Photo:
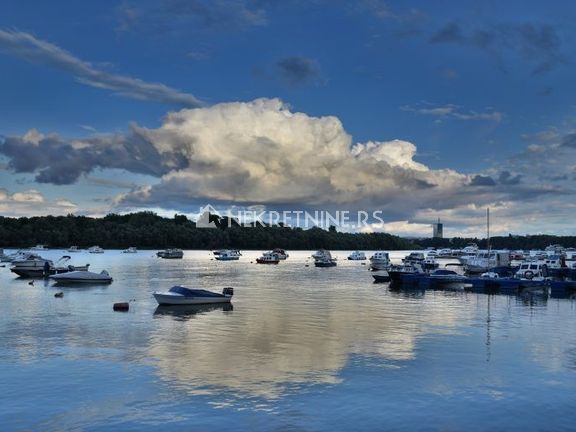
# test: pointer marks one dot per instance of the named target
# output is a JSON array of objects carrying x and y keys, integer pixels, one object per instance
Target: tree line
[{"x": 147, "y": 230}]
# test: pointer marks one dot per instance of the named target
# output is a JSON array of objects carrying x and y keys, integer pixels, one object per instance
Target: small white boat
[
  {"x": 268, "y": 258},
  {"x": 282, "y": 255},
  {"x": 95, "y": 250},
  {"x": 73, "y": 249},
  {"x": 323, "y": 258},
  {"x": 228, "y": 255},
  {"x": 39, "y": 247},
  {"x": 380, "y": 261},
  {"x": 170, "y": 254},
  {"x": 131, "y": 249},
  {"x": 76, "y": 277},
  {"x": 179, "y": 295},
  {"x": 357, "y": 256}
]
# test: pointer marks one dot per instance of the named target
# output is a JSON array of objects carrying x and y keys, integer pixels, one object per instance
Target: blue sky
[{"x": 471, "y": 89}]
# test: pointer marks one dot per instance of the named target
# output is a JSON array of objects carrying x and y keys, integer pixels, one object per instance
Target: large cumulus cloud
[{"x": 255, "y": 153}]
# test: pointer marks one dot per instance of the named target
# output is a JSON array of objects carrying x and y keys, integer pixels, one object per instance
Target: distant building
[{"x": 437, "y": 230}]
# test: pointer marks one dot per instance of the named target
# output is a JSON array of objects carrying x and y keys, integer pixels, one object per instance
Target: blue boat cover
[{"x": 189, "y": 292}]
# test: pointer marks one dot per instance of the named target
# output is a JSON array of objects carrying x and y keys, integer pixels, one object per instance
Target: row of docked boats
[{"x": 27, "y": 264}]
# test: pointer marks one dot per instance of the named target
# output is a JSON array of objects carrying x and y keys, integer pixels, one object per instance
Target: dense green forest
[{"x": 147, "y": 230}]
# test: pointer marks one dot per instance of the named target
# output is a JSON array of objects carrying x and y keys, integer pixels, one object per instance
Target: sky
[{"x": 420, "y": 109}]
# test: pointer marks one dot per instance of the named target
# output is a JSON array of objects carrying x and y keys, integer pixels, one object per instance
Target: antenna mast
[{"x": 488, "y": 226}]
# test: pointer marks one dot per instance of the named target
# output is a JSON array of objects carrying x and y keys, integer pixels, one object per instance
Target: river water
[{"x": 301, "y": 349}]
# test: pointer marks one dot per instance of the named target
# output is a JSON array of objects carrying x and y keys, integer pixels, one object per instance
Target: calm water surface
[{"x": 302, "y": 349}]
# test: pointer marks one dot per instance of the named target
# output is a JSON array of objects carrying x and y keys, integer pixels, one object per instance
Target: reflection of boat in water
[
  {"x": 179, "y": 295},
  {"x": 381, "y": 276},
  {"x": 188, "y": 311}
]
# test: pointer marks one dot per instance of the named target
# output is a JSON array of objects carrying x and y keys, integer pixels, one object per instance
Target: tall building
[{"x": 437, "y": 229}]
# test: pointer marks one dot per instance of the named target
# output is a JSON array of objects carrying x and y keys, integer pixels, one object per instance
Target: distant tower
[{"x": 437, "y": 230}]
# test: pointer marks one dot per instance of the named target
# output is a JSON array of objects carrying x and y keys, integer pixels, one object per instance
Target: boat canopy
[{"x": 189, "y": 292}]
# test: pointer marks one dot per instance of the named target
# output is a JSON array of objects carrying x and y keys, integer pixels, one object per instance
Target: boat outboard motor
[{"x": 228, "y": 291}]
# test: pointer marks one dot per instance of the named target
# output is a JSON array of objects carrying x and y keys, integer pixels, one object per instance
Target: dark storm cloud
[
  {"x": 480, "y": 180},
  {"x": 58, "y": 161},
  {"x": 538, "y": 44},
  {"x": 569, "y": 140},
  {"x": 297, "y": 70},
  {"x": 506, "y": 178}
]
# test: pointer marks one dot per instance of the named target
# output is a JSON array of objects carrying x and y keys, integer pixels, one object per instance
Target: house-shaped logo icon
[{"x": 205, "y": 215}]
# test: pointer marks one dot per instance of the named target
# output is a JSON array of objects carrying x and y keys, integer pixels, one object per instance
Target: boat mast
[{"x": 488, "y": 226}]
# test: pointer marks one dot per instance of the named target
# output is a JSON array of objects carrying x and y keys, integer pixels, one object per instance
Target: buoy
[
  {"x": 121, "y": 307},
  {"x": 306, "y": 265},
  {"x": 59, "y": 294},
  {"x": 31, "y": 283}
]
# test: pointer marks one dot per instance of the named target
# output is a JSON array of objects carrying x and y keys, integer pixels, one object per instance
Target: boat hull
[
  {"x": 325, "y": 264},
  {"x": 174, "y": 300}
]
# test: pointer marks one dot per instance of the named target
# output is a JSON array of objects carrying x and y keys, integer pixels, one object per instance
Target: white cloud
[
  {"x": 32, "y": 49},
  {"x": 454, "y": 111},
  {"x": 33, "y": 203}
]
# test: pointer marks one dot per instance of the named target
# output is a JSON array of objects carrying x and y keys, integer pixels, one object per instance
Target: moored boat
[
  {"x": 268, "y": 258},
  {"x": 357, "y": 256},
  {"x": 33, "y": 265},
  {"x": 170, "y": 254},
  {"x": 95, "y": 250},
  {"x": 78, "y": 277},
  {"x": 73, "y": 249},
  {"x": 179, "y": 295},
  {"x": 380, "y": 260},
  {"x": 323, "y": 258},
  {"x": 131, "y": 249},
  {"x": 228, "y": 255},
  {"x": 281, "y": 253}
]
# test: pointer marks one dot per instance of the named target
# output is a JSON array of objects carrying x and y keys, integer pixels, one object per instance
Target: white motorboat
[
  {"x": 380, "y": 261},
  {"x": 323, "y": 258},
  {"x": 179, "y": 295},
  {"x": 282, "y": 255},
  {"x": 321, "y": 254},
  {"x": 268, "y": 258},
  {"x": 77, "y": 277},
  {"x": 95, "y": 250},
  {"x": 414, "y": 258},
  {"x": 73, "y": 249},
  {"x": 229, "y": 255},
  {"x": 170, "y": 254},
  {"x": 357, "y": 256},
  {"x": 39, "y": 247},
  {"x": 33, "y": 265},
  {"x": 484, "y": 261},
  {"x": 131, "y": 249},
  {"x": 536, "y": 271}
]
